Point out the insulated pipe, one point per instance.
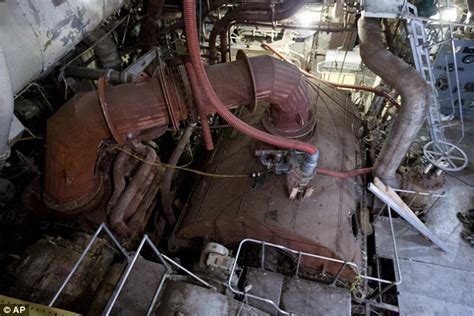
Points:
(105, 49)
(195, 54)
(412, 88)
(6, 108)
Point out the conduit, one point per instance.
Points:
(412, 88)
(194, 51)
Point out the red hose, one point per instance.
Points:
(195, 53)
(379, 92)
(343, 175)
(206, 131)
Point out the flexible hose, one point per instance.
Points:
(206, 131)
(194, 51)
(379, 92)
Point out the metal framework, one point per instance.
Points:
(300, 255)
(131, 257)
(439, 151)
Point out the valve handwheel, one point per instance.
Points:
(445, 156)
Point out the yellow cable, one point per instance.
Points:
(206, 174)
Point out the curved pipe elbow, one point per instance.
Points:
(412, 88)
(264, 78)
(74, 135)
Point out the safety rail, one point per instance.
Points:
(345, 265)
(131, 260)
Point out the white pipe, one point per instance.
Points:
(6, 108)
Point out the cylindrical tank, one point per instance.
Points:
(36, 33)
(231, 209)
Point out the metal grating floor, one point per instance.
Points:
(434, 282)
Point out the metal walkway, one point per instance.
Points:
(435, 282)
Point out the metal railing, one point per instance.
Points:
(131, 260)
(344, 265)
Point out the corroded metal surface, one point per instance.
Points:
(40, 32)
(70, 176)
(228, 210)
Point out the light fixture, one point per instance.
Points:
(446, 14)
(307, 17)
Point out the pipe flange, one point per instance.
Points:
(188, 93)
(104, 107)
(168, 95)
(252, 107)
(78, 205)
(306, 129)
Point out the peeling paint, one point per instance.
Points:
(35, 12)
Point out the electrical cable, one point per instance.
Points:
(201, 173)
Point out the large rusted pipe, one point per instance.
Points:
(412, 88)
(76, 131)
(376, 91)
(195, 56)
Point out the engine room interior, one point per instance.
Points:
(244, 157)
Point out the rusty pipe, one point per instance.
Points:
(76, 130)
(194, 52)
(412, 88)
(166, 199)
(263, 78)
(376, 91)
(132, 196)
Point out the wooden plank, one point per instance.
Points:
(391, 198)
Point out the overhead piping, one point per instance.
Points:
(379, 92)
(254, 12)
(412, 88)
